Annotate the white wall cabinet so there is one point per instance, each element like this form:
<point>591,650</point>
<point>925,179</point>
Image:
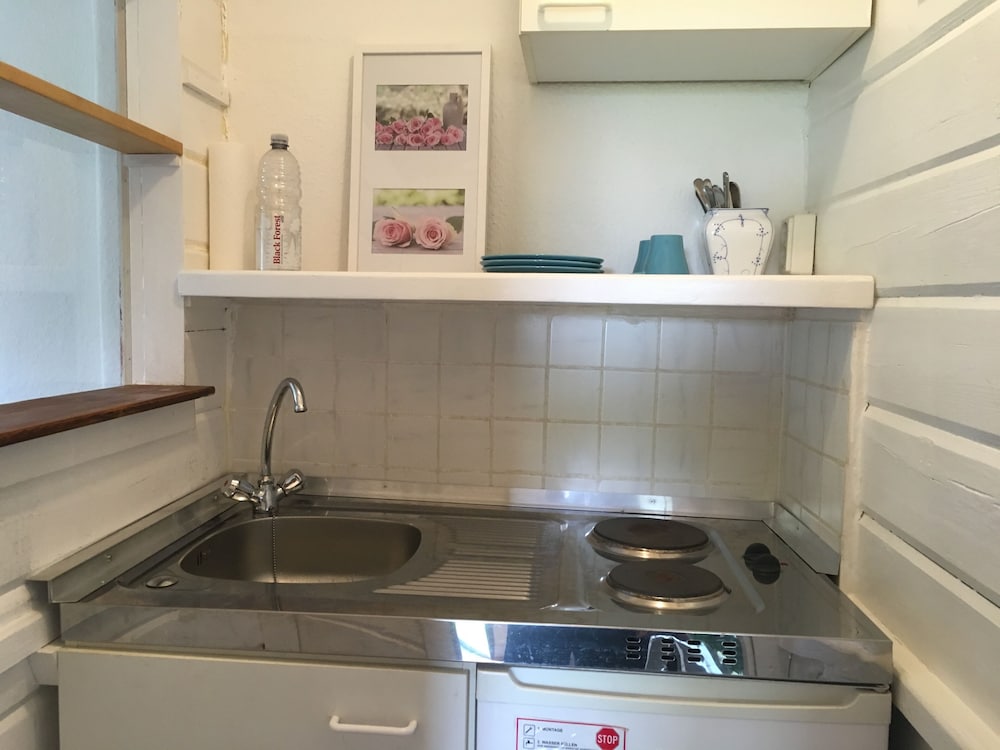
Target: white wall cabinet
<point>111,700</point>
<point>679,40</point>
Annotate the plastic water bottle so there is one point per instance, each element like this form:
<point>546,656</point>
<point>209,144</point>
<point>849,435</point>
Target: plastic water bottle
<point>279,215</point>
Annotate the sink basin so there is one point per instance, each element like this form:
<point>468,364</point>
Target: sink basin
<point>317,549</point>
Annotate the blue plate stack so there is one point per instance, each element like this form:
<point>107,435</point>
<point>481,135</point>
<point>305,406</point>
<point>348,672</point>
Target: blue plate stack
<point>541,264</point>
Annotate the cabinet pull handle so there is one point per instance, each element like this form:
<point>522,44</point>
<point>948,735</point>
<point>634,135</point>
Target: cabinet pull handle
<point>580,16</point>
<point>338,726</point>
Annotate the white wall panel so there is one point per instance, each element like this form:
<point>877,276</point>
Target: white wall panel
<point>939,357</point>
<point>930,108</point>
<point>938,228</point>
<point>938,491</point>
<point>949,627</point>
<point>903,164</point>
<point>901,29</point>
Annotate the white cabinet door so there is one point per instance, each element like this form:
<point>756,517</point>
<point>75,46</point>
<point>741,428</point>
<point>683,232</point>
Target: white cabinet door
<point>679,40</point>
<point>130,701</point>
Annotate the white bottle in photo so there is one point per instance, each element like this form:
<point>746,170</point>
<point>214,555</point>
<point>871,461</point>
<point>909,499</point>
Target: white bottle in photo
<point>279,214</point>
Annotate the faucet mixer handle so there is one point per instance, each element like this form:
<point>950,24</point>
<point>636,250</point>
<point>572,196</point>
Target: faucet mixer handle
<point>239,490</point>
<point>292,482</point>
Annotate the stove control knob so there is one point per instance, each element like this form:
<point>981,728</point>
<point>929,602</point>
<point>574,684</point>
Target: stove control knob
<point>766,569</point>
<point>754,552</point>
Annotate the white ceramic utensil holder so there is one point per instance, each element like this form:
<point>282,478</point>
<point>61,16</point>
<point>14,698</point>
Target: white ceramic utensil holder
<point>738,240</point>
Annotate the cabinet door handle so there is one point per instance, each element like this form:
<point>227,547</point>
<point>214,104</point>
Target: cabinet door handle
<point>338,726</point>
<point>579,16</point>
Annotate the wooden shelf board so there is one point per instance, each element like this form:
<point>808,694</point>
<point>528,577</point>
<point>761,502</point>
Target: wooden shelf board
<point>36,99</point>
<point>27,420</point>
<point>846,292</point>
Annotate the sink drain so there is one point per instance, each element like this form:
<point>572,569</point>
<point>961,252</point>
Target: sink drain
<point>161,582</point>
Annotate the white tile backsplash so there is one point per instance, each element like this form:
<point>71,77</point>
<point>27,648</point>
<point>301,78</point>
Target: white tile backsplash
<point>574,395</point>
<point>414,333</point>
<point>519,392</point>
<point>577,340</point>
<point>518,448</point>
<point>358,386</point>
<point>358,440</point>
<point>817,419</point>
<point>628,396</point>
<point>466,390</point>
<point>681,454</point>
<point>467,336</point>
<point>571,450</point>
<point>359,333</point>
<point>626,452</point>
<point>465,446</point>
<point>308,333</point>
<point>522,338</point>
<point>749,346</point>
<point>412,388</point>
<point>743,401</point>
<point>687,344</point>
<point>412,442</point>
<point>684,398</point>
<point>631,343</point>
<point>818,351</point>
<point>516,396</point>
<point>740,456</point>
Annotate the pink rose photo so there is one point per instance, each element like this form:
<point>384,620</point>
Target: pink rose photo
<point>431,118</point>
<point>413,221</point>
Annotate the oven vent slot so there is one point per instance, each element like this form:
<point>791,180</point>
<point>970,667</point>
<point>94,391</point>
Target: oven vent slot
<point>633,648</point>
<point>730,653</point>
<point>696,655</point>
<point>668,652</point>
<point>692,652</point>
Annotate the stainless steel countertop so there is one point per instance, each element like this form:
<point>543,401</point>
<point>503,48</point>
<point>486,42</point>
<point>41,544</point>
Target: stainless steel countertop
<point>512,585</point>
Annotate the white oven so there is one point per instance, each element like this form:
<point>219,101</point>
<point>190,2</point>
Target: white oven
<point>526,708</point>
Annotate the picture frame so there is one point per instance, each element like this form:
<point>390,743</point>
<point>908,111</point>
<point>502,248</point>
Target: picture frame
<point>419,142</point>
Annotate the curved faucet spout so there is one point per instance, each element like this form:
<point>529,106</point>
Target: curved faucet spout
<point>265,496</point>
<point>292,386</point>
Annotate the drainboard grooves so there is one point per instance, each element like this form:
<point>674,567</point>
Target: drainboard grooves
<point>486,562</point>
<point>500,579</point>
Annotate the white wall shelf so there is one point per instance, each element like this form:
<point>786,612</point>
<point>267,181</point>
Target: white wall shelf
<point>845,292</point>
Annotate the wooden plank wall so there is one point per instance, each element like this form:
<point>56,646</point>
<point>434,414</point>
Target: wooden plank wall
<point>904,160</point>
<point>63,492</point>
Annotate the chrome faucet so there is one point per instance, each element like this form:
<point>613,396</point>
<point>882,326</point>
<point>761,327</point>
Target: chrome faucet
<point>267,493</point>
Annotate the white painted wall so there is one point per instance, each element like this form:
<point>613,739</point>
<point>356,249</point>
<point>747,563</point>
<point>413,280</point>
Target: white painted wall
<point>903,173</point>
<point>581,169</point>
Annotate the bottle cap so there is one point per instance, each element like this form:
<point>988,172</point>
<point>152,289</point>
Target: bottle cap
<point>279,140</point>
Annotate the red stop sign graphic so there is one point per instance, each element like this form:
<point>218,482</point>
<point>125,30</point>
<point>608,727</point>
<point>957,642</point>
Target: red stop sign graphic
<point>607,739</point>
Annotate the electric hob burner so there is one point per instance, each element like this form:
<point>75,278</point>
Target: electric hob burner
<point>665,585</point>
<point>626,539</point>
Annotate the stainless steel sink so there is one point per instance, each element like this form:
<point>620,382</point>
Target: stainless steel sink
<point>306,549</point>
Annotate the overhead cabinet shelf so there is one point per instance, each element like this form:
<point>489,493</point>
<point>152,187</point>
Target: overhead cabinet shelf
<point>850,292</point>
<point>36,99</point>
<point>655,40</point>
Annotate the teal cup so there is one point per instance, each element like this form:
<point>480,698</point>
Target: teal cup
<point>666,254</point>
<point>642,257</point>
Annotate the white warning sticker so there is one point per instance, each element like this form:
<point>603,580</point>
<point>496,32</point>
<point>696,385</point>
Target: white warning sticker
<point>542,734</point>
